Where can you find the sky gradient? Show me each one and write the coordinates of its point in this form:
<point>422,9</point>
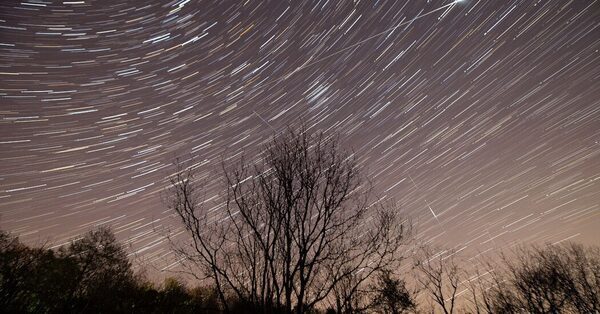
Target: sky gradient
<point>480,118</point>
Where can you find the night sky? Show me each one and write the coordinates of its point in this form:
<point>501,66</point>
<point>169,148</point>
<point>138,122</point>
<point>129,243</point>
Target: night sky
<point>480,118</point>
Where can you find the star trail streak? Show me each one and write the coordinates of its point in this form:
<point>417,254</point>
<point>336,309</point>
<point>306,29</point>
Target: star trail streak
<point>480,118</point>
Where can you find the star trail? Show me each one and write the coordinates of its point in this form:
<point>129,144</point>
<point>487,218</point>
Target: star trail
<point>480,118</point>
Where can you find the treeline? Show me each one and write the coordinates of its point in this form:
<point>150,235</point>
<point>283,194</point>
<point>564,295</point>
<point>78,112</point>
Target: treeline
<point>94,275</point>
<point>90,275</point>
<point>554,278</point>
<point>296,229</point>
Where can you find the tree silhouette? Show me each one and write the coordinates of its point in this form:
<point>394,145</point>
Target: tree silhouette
<point>549,279</point>
<point>440,277</point>
<point>16,264</point>
<point>294,224</point>
<point>101,265</point>
<point>391,294</point>
<point>92,274</point>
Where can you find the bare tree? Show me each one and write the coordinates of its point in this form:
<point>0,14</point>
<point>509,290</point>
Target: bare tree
<point>478,286</point>
<point>440,277</point>
<point>349,296</point>
<point>550,279</point>
<point>294,224</point>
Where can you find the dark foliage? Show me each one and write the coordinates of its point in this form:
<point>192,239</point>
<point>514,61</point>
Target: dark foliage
<point>91,275</point>
<point>34,279</point>
<point>391,295</point>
